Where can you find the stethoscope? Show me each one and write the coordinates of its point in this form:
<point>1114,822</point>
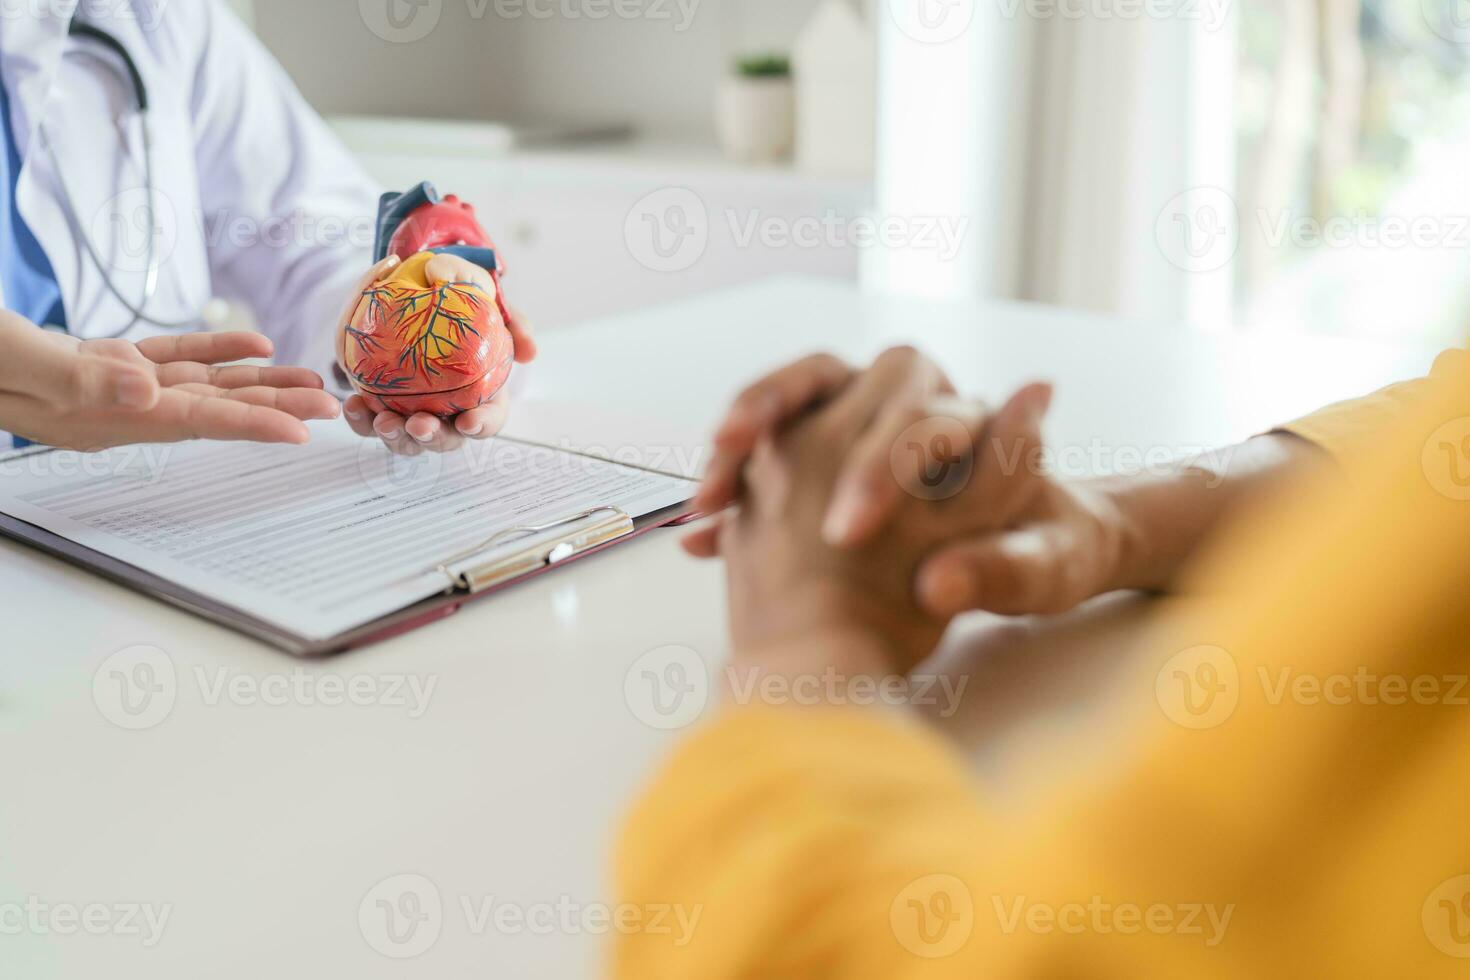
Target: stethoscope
<point>150,279</point>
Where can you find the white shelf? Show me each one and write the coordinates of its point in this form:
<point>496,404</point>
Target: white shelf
<point>658,159</point>
<point>691,158</point>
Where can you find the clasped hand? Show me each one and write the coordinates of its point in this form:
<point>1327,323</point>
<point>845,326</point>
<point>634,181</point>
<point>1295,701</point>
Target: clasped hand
<point>879,502</point>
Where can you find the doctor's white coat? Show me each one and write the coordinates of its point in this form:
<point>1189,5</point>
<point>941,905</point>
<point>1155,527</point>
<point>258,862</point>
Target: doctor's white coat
<point>257,201</point>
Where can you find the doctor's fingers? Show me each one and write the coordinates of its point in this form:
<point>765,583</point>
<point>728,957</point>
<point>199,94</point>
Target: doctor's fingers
<point>389,427</point>
<point>429,433</point>
<point>523,334</point>
<point>446,268</point>
<point>369,279</point>
<point>238,376</point>
<point>415,435</point>
<point>359,416</point>
<point>354,298</point>
<point>204,348</point>
<point>301,403</point>
<point>181,415</point>
<point>486,420</point>
<point>70,379</point>
<point>452,268</point>
<point>374,275</point>
<point>438,435</point>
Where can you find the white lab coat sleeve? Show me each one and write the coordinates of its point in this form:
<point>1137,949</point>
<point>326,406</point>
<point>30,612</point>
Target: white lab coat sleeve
<point>288,211</point>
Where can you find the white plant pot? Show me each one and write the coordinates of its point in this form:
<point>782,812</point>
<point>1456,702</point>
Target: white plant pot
<point>756,118</point>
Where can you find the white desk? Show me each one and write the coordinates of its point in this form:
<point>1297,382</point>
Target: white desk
<point>264,827</point>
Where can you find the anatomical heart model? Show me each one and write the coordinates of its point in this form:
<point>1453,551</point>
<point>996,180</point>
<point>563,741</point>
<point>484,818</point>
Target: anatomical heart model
<point>412,345</point>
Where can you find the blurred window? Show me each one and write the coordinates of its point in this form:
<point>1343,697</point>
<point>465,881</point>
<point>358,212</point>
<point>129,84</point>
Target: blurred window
<point>1353,126</point>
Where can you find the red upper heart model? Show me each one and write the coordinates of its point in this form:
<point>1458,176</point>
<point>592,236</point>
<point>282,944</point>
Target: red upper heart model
<point>413,345</point>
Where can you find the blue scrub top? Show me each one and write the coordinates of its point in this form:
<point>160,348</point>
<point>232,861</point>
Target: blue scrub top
<point>26,278</point>
<point>30,286</point>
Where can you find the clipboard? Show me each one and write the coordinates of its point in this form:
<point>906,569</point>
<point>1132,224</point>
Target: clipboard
<point>469,577</point>
<point>506,558</point>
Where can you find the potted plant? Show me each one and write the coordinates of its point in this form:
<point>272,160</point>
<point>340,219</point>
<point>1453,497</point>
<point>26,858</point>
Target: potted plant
<point>755,111</point>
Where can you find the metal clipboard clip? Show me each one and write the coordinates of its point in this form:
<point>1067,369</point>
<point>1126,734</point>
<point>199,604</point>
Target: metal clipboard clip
<point>504,557</point>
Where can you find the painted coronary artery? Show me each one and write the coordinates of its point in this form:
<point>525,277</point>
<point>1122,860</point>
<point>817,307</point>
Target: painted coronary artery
<point>416,346</point>
<point>411,345</point>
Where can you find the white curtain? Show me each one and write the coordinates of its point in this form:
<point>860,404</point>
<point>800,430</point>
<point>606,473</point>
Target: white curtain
<point>1064,138</point>
<point>1087,112</point>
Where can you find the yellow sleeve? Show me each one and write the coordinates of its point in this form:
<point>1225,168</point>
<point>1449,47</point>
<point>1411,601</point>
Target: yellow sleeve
<point>778,834</point>
<point>1283,793</point>
<point>1341,427</point>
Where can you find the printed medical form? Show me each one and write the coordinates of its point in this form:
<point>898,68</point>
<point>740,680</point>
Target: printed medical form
<point>317,539</point>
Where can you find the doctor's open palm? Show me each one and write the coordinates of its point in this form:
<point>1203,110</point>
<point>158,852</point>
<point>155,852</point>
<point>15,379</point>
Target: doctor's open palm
<point>58,391</point>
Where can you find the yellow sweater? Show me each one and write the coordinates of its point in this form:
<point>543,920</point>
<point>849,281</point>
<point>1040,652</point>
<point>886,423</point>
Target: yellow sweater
<point>1291,797</point>
<point>1354,425</point>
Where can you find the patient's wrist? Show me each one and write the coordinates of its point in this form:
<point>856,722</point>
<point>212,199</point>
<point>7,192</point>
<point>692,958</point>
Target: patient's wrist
<point>1128,556</point>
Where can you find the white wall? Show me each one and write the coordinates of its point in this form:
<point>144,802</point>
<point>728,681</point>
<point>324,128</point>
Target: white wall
<point>490,59</point>
<point>341,66</point>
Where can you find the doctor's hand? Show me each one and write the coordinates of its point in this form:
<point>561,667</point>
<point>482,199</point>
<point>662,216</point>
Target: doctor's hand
<point>1020,540</point>
<point>88,395</point>
<point>428,433</point>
